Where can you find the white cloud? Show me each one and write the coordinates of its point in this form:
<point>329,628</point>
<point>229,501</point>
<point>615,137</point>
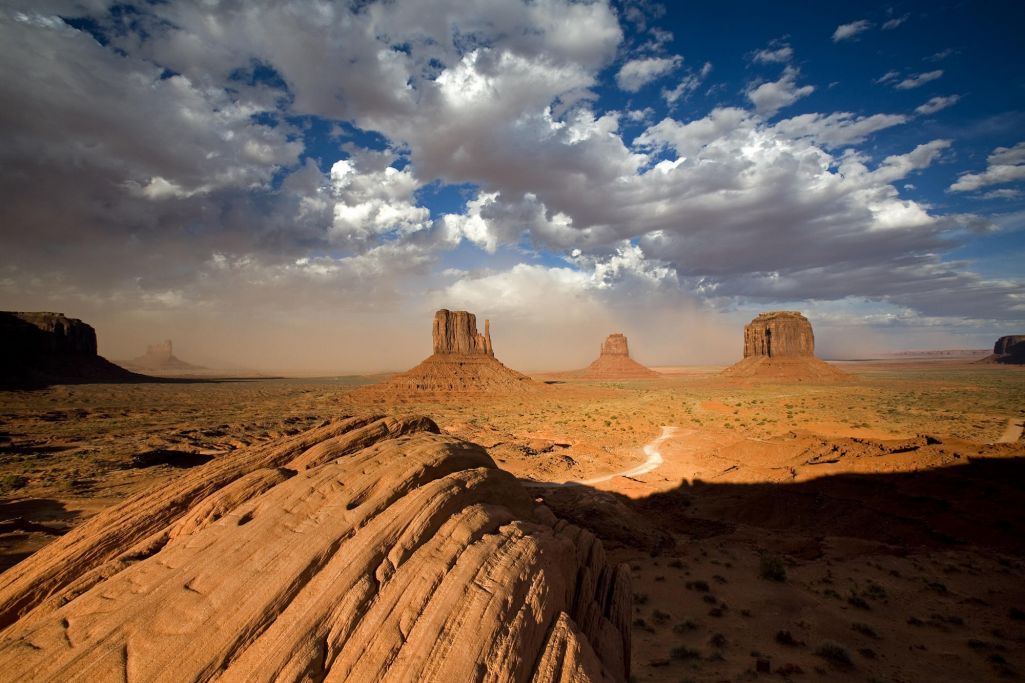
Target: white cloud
<point>1003,193</point>
<point>837,129</point>
<point>850,30</point>
<point>372,202</point>
<point>890,75</point>
<point>936,104</point>
<point>1004,165</point>
<point>769,98</point>
<point>891,24</point>
<point>918,80</point>
<point>691,82</point>
<point>637,73</point>
<point>778,52</point>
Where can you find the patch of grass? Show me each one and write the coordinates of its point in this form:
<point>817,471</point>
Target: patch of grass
<point>684,652</point>
<point>13,482</point>
<point>771,568</point>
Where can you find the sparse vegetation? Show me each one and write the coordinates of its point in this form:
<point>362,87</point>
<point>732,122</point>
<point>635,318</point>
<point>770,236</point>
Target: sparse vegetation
<point>834,653</point>
<point>771,568</point>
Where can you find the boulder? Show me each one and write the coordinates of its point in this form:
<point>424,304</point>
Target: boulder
<point>37,349</point>
<point>614,361</point>
<point>367,549</point>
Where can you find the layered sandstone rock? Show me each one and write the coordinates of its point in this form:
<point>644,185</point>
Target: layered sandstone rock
<point>44,348</point>
<point>367,549</point>
<point>778,334</point>
<point>780,345</point>
<point>614,361</point>
<point>160,358</point>
<point>463,362</point>
<point>1009,350</point>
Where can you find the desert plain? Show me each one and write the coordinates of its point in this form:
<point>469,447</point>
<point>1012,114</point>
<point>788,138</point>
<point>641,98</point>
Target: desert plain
<point>868,529</point>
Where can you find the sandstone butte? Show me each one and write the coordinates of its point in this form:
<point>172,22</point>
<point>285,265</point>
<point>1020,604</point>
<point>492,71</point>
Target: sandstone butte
<point>39,348</point>
<point>780,345</point>
<point>160,358</point>
<point>369,548</point>
<point>614,361</point>
<point>463,362</point>
<point>1008,350</point>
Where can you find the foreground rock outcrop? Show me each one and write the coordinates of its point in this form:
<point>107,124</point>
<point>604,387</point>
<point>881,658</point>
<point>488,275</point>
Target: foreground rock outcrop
<point>780,345</point>
<point>367,549</point>
<point>160,358</point>
<point>463,362</point>
<point>614,361</point>
<point>1008,350</point>
<point>37,349</point>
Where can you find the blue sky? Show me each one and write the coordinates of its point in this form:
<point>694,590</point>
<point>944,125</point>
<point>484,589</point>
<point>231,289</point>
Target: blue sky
<point>315,178</point>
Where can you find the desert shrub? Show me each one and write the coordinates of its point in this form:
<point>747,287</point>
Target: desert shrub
<point>699,586</point>
<point>834,653</point>
<point>684,652</point>
<point>684,626</point>
<point>864,629</point>
<point>771,568</point>
<point>13,482</point>
<point>661,617</point>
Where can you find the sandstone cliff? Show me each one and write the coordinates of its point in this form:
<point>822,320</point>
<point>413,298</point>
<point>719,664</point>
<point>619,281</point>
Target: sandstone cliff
<point>463,362</point>
<point>49,348</point>
<point>1008,350</point>
<point>780,346</point>
<point>614,361</point>
<point>367,549</point>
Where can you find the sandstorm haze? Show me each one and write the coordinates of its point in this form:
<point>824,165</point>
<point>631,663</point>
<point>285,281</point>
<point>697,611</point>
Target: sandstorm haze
<point>298,186</point>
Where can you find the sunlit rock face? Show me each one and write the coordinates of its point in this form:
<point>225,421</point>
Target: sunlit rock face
<point>614,361</point>
<point>777,334</point>
<point>1009,350</point>
<point>370,548</point>
<point>456,332</point>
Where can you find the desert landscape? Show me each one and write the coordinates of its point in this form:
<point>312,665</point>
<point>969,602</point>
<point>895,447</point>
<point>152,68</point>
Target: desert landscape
<point>781,516</point>
<point>512,341</point>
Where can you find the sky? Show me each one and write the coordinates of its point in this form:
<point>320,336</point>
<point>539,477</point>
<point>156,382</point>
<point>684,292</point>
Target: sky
<point>298,185</point>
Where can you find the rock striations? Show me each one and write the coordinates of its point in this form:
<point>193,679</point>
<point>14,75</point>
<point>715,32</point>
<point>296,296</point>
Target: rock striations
<point>160,358</point>
<point>37,349</point>
<point>780,345</point>
<point>463,362</point>
<point>1009,350</point>
<point>367,549</point>
<point>614,361</point>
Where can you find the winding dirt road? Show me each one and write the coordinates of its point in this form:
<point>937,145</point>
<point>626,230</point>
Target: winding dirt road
<point>653,462</point>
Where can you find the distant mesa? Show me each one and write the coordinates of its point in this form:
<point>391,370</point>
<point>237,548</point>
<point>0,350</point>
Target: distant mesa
<point>1009,350</point>
<point>41,348</point>
<point>780,345</point>
<point>463,362</point>
<point>160,358</point>
<point>614,361</point>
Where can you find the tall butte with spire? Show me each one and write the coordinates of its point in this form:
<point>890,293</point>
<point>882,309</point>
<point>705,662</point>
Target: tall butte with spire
<point>614,361</point>
<point>780,345</point>
<point>463,361</point>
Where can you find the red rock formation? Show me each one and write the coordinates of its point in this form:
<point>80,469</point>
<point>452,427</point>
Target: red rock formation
<point>50,348</point>
<point>780,346</point>
<point>614,361</point>
<point>367,549</point>
<point>463,362</point>
<point>777,334</point>
<point>1008,350</point>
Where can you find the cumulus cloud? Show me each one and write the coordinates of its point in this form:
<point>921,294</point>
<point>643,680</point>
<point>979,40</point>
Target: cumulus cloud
<point>1003,165</point>
<point>637,73</point>
<point>691,82</point>
<point>850,30</point>
<point>768,98</point>
<point>837,129</point>
<point>777,52</point>
<point>918,80</point>
<point>936,104</point>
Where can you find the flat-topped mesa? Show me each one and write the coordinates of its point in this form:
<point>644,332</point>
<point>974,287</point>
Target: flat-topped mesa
<point>1009,350</point>
<point>779,333</point>
<point>615,345</point>
<point>40,348</point>
<point>780,346</point>
<point>456,332</point>
<point>162,350</point>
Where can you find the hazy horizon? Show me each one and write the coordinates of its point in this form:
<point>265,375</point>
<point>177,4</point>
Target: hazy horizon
<point>297,186</point>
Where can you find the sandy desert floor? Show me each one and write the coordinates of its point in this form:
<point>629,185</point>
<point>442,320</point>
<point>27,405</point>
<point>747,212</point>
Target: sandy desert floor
<point>869,530</point>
